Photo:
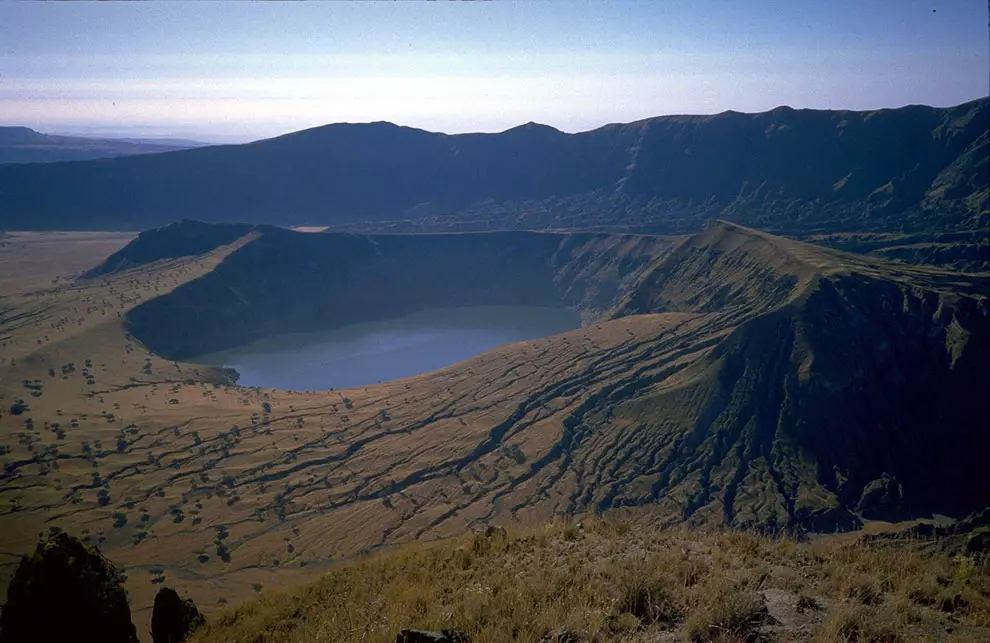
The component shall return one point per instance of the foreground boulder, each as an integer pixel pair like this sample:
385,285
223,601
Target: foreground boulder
561,636
421,636
173,618
882,499
66,591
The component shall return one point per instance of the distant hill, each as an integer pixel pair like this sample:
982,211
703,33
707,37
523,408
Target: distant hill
912,169
24,145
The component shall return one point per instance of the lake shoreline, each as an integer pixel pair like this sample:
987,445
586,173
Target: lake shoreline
385,350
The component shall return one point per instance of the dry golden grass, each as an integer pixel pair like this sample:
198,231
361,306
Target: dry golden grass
35,260
620,579
318,477
136,454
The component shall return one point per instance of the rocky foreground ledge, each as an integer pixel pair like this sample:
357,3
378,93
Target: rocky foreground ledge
615,579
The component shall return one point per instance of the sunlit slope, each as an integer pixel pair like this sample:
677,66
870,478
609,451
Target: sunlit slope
739,379
111,442
624,578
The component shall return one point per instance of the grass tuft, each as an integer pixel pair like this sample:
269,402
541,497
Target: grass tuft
617,580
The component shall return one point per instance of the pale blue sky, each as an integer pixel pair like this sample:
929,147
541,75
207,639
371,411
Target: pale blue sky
238,71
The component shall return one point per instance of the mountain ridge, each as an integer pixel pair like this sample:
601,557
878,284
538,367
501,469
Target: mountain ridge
20,144
793,171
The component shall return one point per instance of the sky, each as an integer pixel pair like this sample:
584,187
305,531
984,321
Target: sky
229,72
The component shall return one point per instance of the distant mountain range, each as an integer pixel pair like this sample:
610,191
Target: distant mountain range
793,171
24,145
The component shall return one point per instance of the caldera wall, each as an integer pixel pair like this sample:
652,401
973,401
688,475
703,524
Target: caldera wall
287,281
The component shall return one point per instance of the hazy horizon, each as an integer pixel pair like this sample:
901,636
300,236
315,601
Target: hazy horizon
206,137
220,72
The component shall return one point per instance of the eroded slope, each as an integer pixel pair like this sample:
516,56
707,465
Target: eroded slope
745,379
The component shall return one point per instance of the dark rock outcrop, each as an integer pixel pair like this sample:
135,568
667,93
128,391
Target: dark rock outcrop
496,531
422,636
561,636
66,591
978,543
882,499
173,618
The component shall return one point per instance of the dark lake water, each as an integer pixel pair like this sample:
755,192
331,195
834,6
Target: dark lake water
389,349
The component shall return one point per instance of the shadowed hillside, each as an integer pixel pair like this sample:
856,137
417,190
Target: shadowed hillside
731,378
965,250
832,386
794,171
790,386
294,282
181,239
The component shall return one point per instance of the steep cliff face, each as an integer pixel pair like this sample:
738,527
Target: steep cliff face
797,411
889,386
286,281
834,376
